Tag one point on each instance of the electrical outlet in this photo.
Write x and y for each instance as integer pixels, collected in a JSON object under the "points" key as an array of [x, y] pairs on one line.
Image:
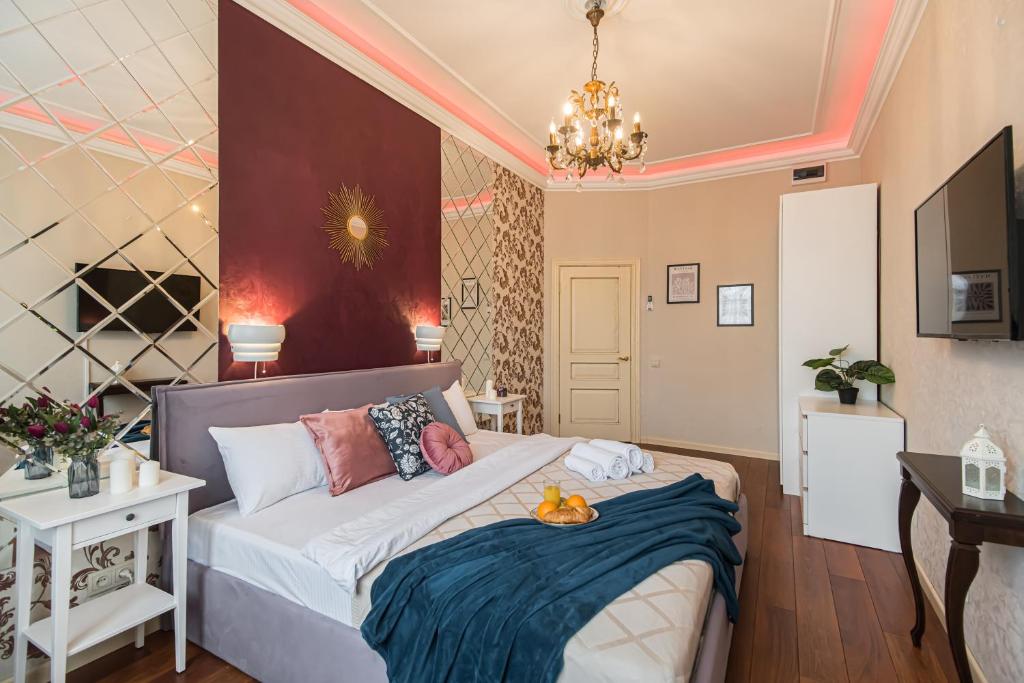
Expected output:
{"points": [[108, 579], [101, 581]]}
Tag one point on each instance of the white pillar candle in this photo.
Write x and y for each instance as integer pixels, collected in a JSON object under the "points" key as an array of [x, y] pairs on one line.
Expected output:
{"points": [[149, 473], [489, 392], [121, 472]]}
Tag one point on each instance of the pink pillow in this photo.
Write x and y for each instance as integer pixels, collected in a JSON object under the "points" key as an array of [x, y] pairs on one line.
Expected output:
{"points": [[351, 448], [444, 449]]}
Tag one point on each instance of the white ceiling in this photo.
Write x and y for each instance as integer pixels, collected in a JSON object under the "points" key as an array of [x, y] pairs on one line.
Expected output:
{"points": [[704, 75], [724, 86]]}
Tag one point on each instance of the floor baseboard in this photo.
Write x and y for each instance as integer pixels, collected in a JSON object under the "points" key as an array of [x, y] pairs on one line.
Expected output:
{"points": [[940, 610], [710, 447]]}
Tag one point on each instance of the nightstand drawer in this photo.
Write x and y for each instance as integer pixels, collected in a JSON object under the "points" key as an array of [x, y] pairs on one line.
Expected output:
{"points": [[125, 518]]}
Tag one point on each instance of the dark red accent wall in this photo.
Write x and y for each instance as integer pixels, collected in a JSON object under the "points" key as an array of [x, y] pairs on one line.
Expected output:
{"points": [[294, 126]]}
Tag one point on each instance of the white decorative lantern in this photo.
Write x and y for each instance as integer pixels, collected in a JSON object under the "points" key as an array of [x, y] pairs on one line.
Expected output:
{"points": [[983, 467]]}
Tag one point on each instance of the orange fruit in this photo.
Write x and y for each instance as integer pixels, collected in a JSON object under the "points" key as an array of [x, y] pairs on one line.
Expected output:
{"points": [[576, 502], [546, 507]]}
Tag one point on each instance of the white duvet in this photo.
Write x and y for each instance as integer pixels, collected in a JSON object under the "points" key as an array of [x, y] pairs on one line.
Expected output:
{"points": [[352, 549]]}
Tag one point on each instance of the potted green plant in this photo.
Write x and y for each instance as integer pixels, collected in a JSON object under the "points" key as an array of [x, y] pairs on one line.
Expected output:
{"points": [[80, 436], [29, 428], [835, 373]]}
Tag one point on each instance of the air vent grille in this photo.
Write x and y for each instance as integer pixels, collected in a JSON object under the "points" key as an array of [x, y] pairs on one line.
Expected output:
{"points": [[809, 174]]}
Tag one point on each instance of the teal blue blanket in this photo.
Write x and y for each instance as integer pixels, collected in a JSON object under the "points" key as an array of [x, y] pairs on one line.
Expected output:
{"points": [[500, 602]]}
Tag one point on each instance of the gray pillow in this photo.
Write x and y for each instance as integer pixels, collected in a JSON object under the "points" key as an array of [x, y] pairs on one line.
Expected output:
{"points": [[438, 406]]}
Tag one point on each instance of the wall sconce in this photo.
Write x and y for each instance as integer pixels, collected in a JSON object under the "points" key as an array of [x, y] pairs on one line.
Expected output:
{"points": [[428, 338], [255, 343]]}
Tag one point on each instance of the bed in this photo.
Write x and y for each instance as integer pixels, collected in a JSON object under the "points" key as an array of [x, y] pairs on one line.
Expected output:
{"points": [[258, 601]]}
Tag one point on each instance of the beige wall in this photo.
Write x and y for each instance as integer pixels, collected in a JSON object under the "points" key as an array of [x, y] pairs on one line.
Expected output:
{"points": [[717, 387], [961, 81]]}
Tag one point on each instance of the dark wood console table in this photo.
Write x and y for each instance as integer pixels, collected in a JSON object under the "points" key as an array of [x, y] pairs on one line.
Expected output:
{"points": [[972, 521]]}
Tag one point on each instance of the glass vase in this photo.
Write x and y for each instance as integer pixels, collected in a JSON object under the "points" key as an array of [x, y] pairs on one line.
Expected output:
{"points": [[83, 477], [36, 463]]}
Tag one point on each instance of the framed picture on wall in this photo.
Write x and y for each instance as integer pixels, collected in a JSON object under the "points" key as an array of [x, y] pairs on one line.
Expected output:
{"points": [[976, 296], [446, 311], [683, 284], [736, 305], [470, 293]]}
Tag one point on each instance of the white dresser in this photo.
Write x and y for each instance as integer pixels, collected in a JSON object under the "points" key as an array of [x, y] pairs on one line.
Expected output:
{"points": [[849, 476]]}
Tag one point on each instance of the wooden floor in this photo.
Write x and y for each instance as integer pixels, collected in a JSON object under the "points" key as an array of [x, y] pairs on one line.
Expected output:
{"points": [[817, 610], [810, 610]]}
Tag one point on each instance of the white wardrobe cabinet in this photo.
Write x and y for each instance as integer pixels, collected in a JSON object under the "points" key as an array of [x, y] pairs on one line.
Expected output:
{"points": [[828, 285]]}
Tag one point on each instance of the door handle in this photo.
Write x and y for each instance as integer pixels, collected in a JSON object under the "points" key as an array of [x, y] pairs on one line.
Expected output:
{"points": [[624, 358]]}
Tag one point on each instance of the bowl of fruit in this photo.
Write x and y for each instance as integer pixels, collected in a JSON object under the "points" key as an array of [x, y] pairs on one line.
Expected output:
{"points": [[563, 512]]}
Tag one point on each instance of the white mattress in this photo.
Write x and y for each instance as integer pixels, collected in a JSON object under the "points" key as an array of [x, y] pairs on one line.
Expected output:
{"points": [[265, 549]]}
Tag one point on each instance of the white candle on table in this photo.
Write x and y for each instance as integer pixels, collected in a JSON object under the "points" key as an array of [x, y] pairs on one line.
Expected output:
{"points": [[149, 473], [121, 472]]}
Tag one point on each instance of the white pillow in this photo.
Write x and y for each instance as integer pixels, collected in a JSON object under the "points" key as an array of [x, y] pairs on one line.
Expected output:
{"points": [[268, 463], [464, 415]]}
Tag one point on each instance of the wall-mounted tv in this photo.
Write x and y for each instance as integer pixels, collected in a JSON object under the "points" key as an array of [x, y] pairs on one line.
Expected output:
{"points": [[969, 251], [153, 313]]}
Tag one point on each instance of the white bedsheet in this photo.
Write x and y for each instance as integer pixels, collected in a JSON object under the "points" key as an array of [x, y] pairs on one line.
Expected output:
{"points": [[353, 548], [265, 549]]}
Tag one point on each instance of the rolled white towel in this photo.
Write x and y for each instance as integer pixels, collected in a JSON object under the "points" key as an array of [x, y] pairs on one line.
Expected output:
{"points": [[614, 465], [648, 465], [588, 468], [634, 456]]}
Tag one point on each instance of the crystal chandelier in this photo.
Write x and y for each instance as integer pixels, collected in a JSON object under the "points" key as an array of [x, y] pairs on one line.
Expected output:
{"points": [[591, 134]]}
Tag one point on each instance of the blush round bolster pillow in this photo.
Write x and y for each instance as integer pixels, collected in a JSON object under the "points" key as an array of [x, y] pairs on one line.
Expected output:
{"points": [[444, 449]]}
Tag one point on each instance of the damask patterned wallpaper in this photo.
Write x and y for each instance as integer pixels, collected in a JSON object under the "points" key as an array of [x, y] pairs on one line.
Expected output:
{"points": [[492, 237], [517, 349]]}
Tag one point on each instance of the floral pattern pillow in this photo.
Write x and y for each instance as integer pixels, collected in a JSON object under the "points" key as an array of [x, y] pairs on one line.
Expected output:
{"points": [[400, 425]]}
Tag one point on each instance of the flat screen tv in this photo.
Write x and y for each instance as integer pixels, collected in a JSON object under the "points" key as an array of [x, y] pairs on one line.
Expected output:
{"points": [[969, 256], [153, 313]]}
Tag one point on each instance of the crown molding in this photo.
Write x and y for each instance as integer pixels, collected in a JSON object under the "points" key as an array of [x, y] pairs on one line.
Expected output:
{"points": [[674, 179], [307, 31], [906, 16]]}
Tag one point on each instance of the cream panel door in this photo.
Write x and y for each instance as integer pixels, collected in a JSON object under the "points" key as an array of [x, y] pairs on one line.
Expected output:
{"points": [[594, 364]]}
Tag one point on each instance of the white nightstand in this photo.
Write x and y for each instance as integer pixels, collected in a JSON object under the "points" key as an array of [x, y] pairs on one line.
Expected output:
{"points": [[61, 524], [498, 408]]}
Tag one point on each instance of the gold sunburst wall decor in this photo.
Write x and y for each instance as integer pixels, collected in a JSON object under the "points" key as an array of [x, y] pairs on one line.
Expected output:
{"points": [[355, 226]]}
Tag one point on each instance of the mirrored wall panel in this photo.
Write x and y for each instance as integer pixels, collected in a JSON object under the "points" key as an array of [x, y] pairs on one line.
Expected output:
{"points": [[467, 245], [108, 201]]}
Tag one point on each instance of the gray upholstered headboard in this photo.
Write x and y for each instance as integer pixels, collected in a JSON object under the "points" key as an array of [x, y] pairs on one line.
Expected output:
{"points": [[183, 413]]}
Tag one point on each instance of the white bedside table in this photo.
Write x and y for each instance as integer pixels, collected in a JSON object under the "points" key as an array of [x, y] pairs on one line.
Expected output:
{"points": [[498, 408], [62, 524]]}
